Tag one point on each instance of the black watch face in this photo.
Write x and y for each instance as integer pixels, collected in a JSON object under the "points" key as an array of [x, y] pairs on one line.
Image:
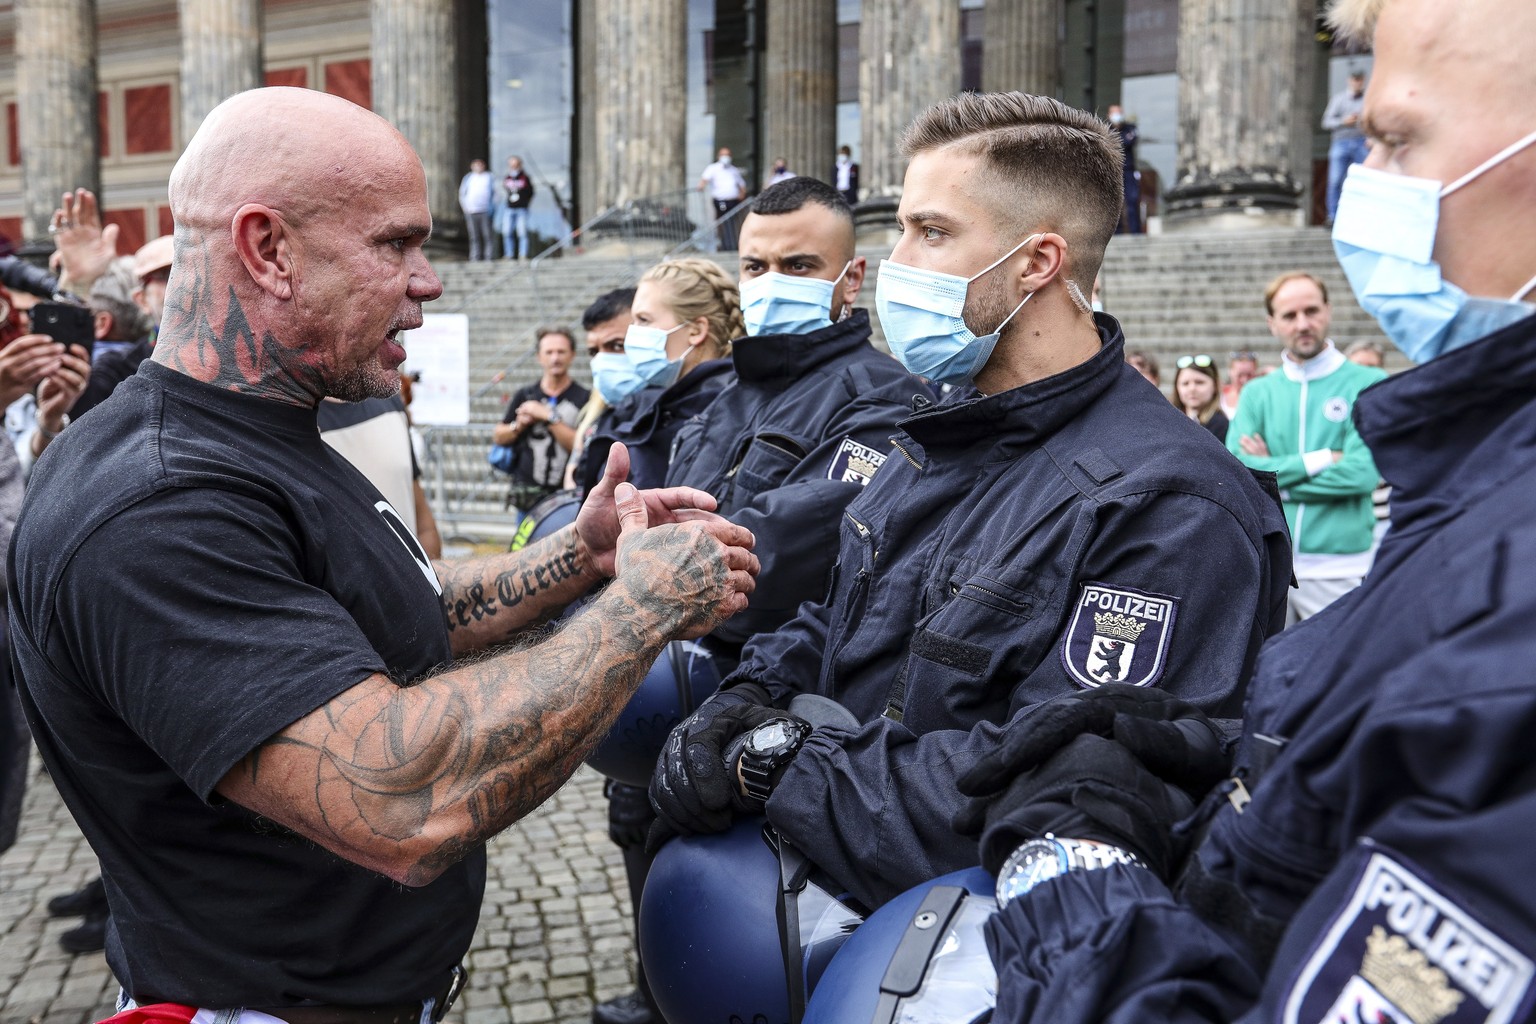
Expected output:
{"points": [[769, 736]]}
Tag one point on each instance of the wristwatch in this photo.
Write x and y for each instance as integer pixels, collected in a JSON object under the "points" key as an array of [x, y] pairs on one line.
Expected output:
{"points": [[1045, 858], [769, 747]]}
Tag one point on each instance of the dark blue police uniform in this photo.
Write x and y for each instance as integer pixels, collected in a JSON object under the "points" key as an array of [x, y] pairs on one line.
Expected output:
{"points": [[1381, 870], [785, 449], [647, 422], [1071, 532]]}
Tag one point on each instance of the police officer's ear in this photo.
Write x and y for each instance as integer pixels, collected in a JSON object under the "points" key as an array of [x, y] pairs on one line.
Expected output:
{"points": [[697, 331], [264, 243], [1038, 264], [848, 289]]}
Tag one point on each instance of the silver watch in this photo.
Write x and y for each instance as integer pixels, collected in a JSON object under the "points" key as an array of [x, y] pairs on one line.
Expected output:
{"points": [[1045, 858]]}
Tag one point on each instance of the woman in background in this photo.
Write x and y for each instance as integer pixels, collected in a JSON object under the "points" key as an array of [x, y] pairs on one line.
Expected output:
{"points": [[1197, 393]]}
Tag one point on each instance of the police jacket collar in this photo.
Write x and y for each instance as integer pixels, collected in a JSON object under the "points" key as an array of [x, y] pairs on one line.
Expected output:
{"points": [[1025, 414], [639, 414], [778, 360], [1423, 423]]}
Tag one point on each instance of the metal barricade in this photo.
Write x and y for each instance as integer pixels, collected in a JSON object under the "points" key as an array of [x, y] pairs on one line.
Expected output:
{"points": [[468, 497]]}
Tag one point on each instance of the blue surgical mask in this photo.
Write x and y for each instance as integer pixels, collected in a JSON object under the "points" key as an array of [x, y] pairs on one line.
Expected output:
{"points": [[780, 304], [1384, 235], [646, 349], [920, 311], [614, 377]]}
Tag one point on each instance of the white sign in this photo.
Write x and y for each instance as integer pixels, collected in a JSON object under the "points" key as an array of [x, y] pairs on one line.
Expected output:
{"points": [[438, 350]]}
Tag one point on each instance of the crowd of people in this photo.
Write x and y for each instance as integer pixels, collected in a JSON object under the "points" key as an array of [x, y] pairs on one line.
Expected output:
{"points": [[1142, 660]]}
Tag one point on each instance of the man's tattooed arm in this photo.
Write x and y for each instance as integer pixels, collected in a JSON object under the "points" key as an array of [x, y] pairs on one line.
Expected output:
{"points": [[488, 600], [407, 780]]}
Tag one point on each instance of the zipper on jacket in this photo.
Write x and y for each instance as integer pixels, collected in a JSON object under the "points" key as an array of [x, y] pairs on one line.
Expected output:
{"points": [[896, 701], [906, 454]]}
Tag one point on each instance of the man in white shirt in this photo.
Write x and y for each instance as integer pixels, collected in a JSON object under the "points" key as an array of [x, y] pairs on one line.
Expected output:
{"points": [[726, 188], [477, 193]]}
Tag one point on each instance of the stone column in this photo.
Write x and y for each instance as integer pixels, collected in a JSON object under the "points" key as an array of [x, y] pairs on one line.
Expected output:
{"points": [[414, 68], [220, 55], [800, 86], [909, 59], [1237, 109], [1023, 46], [56, 105], [641, 101]]}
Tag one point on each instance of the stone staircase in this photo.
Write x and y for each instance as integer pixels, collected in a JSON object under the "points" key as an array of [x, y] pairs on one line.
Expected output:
{"points": [[1175, 295]]}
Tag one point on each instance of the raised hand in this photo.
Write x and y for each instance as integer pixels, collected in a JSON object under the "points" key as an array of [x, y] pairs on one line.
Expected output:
{"points": [[696, 573], [26, 361], [85, 248], [597, 524]]}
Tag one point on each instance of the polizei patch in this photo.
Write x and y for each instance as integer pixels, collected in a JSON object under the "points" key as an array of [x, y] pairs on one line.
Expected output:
{"points": [[1400, 950], [855, 463], [1118, 636]]}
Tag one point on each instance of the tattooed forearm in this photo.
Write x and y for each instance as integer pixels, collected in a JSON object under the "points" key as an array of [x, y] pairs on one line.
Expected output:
{"points": [[407, 780], [487, 600]]}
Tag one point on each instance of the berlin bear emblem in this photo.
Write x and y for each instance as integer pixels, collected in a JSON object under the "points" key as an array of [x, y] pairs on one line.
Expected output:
{"points": [[1118, 635]]}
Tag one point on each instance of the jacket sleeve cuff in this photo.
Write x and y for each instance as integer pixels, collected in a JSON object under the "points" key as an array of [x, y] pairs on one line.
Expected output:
{"points": [[1316, 461]]}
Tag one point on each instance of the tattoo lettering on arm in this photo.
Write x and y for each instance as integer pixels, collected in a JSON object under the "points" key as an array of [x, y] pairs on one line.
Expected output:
{"points": [[408, 780], [486, 601]]}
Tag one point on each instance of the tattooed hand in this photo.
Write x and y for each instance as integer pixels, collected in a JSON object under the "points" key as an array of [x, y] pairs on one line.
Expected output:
{"points": [[696, 574], [597, 524]]}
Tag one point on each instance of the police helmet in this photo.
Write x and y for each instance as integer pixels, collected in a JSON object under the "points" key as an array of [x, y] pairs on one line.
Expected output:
{"points": [[921, 957], [551, 513], [723, 914], [680, 680]]}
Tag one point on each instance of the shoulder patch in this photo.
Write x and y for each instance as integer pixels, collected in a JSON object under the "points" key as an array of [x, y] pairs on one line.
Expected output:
{"points": [[1118, 635], [1336, 410], [1400, 950], [855, 463]]}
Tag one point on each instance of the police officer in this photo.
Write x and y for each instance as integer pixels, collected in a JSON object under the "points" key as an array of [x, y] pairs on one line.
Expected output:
{"points": [[810, 416], [1368, 859], [790, 443], [1054, 526]]}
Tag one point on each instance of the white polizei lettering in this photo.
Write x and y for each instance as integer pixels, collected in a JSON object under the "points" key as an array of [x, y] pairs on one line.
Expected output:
{"points": [[1383, 890], [1108, 600], [1449, 945], [1403, 911]]}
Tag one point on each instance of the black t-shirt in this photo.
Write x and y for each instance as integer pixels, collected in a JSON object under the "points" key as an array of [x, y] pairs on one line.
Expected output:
{"points": [[194, 570], [540, 458]]}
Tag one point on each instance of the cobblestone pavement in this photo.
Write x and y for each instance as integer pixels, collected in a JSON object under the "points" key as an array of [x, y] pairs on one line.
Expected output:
{"points": [[554, 931]]}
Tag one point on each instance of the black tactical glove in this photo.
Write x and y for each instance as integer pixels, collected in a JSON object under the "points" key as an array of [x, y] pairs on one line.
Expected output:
{"points": [[629, 814], [1172, 738], [1092, 788], [693, 788]]}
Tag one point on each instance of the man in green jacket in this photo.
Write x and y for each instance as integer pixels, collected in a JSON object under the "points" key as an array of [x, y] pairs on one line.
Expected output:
{"points": [[1296, 423]]}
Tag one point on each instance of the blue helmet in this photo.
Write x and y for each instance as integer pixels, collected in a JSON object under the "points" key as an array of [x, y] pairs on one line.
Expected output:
{"points": [[680, 680], [720, 917], [922, 956], [552, 513]]}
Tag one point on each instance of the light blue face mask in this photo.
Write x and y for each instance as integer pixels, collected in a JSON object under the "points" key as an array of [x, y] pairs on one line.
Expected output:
{"points": [[614, 377], [920, 311], [646, 349], [781, 304], [1384, 235]]}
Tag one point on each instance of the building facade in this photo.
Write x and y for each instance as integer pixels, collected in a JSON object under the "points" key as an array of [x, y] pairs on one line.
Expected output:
{"points": [[613, 100]]}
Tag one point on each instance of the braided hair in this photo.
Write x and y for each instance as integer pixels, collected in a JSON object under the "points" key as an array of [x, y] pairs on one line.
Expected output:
{"points": [[698, 287]]}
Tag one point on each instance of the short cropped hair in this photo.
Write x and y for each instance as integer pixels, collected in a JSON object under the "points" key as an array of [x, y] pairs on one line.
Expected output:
{"points": [[792, 194], [1286, 278], [113, 294], [1355, 20], [1057, 165], [1366, 345], [607, 306], [547, 329]]}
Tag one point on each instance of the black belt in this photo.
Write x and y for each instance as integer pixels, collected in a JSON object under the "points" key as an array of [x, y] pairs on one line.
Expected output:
{"points": [[395, 1013]]}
